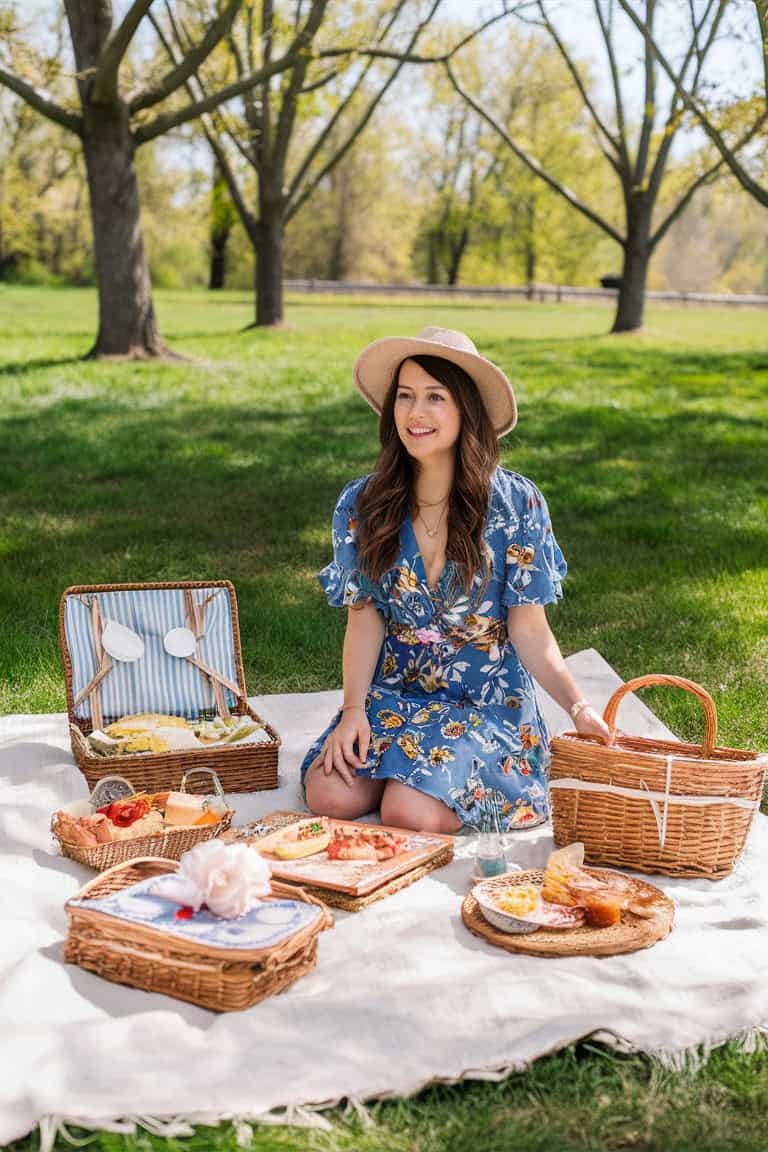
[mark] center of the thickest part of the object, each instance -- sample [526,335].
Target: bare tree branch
[166,121]
[105,81]
[342,150]
[758,191]
[704,178]
[761,8]
[189,64]
[246,216]
[534,164]
[649,103]
[675,111]
[41,103]
[328,128]
[415,58]
[606,28]
[287,115]
[576,76]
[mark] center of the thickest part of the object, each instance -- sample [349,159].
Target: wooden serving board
[630,935]
[352,880]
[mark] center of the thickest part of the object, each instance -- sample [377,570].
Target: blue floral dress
[452,710]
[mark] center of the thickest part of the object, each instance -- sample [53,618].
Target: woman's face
[427,417]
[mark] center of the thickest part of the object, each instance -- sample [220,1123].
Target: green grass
[652,450]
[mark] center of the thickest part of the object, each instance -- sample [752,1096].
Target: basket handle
[704,698]
[210,772]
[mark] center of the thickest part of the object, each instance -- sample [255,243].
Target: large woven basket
[144,958]
[244,768]
[655,805]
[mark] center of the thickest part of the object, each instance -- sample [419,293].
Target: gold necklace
[431,532]
[432,503]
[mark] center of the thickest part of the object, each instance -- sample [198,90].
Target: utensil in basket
[655,805]
[242,767]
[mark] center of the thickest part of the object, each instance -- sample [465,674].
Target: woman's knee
[405,807]
[330,796]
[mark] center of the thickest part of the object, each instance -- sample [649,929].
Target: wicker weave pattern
[144,958]
[702,840]
[250,768]
[168,845]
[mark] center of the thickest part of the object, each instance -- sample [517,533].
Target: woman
[445,562]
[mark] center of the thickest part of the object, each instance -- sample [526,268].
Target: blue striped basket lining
[157,682]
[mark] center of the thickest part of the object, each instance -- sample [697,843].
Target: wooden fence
[541,293]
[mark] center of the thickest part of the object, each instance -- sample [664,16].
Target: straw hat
[376,366]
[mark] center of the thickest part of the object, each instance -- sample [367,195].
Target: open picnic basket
[170,844]
[655,805]
[205,682]
[220,978]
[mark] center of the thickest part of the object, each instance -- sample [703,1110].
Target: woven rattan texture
[168,845]
[631,934]
[249,768]
[356,903]
[142,958]
[699,840]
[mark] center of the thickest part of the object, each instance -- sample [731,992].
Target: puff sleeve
[341,580]
[534,565]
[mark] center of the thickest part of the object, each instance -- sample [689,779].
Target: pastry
[304,839]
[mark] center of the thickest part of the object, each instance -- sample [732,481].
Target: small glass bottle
[489,850]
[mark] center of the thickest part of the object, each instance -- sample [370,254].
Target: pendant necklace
[431,532]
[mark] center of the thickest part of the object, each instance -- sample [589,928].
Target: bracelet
[348,707]
[577,708]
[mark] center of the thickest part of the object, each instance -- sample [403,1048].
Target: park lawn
[652,451]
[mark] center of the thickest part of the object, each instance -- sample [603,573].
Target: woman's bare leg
[405,807]
[331,796]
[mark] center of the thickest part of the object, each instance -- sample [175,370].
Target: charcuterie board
[348,883]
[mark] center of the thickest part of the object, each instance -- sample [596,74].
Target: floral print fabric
[452,710]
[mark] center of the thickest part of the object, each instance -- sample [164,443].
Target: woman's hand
[338,753]
[590,723]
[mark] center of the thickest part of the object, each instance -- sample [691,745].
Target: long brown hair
[388,495]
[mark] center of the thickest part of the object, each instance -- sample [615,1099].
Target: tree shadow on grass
[644,505]
[27,367]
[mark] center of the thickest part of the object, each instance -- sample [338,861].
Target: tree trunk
[219,238]
[269,265]
[127,325]
[457,251]
[637,254]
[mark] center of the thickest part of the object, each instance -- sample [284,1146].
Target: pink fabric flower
[228,878]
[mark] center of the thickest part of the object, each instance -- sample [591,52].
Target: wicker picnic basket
[222,980]
[171,844]
[655,805]
[241,768]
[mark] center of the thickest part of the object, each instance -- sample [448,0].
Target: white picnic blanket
[402,994]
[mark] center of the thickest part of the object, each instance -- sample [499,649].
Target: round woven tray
[630,935]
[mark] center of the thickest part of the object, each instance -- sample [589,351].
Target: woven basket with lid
[241,768]
[655,805]
[146,958]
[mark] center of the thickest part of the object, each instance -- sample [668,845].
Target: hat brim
[376,365]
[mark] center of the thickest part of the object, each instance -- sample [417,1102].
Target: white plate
[180,642]
[122,643]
